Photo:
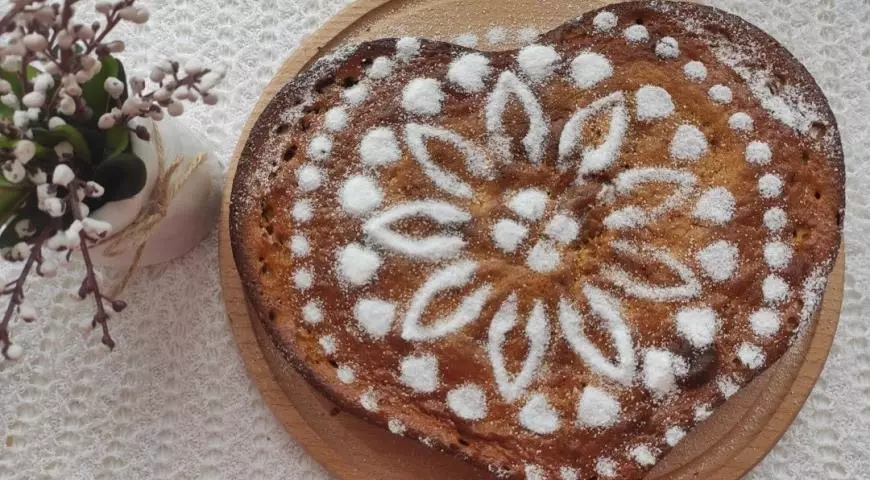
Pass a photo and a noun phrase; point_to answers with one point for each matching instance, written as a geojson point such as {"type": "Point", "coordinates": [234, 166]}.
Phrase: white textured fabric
{"type": "Point", "coordinates": [174, 400]}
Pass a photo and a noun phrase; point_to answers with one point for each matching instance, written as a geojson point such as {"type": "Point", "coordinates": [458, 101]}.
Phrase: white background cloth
{"type": "Point", "coordinates": [174, 400]}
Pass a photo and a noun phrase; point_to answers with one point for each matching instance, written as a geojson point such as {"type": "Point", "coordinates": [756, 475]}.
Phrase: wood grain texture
{"type": "Point", "coordinates": [734, 440]}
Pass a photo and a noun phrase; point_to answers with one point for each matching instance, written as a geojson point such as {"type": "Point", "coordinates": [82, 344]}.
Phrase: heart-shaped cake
{"type": "Point", "coordinates": [554, 261]}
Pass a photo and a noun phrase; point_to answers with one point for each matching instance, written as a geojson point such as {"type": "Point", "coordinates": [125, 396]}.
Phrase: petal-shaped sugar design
{"type": "Point", "coordinates": [510, 86]}
{"type": "Point", "coordinates": [452, 277]}
{"type": "Point", "coordinates": [633, 216]}
{"type": "Point", "coordinates": [595, 159]}
{"type": "Point", "coordinates": [475, 159]}
{"type": "Point", "coordinates": [609, 309]}
{"type": "Point", "coordinates": [689, 288]}
{"type": "Point", "coordinates": [431, 248]}
{"type": "Point", "coordinates": [537, 332]}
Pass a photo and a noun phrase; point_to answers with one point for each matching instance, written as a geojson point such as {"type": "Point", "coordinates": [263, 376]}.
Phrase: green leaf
{"type": "Point", "coordinates": [122, 176]}
{"type": "Point", "coordinates": [94, 93]}
{"type": "Point", "coordinates": [50, 138]}
{"type": "Point", "coordinates": [117, 141]}
{"type": "Point", "coordinates": [11, 197]}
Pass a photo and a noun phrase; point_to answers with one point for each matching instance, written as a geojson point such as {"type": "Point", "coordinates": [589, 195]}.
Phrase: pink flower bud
{"type": "Point", "coordinates": [128, 13]}
{"type": "Point", "coordinates": [137, 84]}
{"type": "Point", "coordinates": [43, 82]}
{"type": "Point", "coordinates": [38, 177]}
{"type": "Point", "coordinates": [14, 171]}
{"type": "Point", "coordinates": [55, 122]}
{"type": "Point", "coordinates": [88, 62]}
{"type": "Point", "coordinates": [20, 251]}
{"type": "Point", "coordinates": [34, 99]}
{"type": "Point", "coordinates": [24, 229]}
{"type": "Point", "coordinates": [106, 121]}
{"type": "Point", "coordinates": [85, 32]}
{"type": "Point", "coordinates": [20, 119]}
{"type": "Point", "coordinates": [192, 67]}
{"type": "Point", "coordinates": [114, 87]}
{"type": "Point", "coordinates": [5, 87]}
{"type": "Point", "coordinates": [24, 151]}
{"type": "Point", "coordinates": [67, 105]}
{"type": "Point", "coordinates": [53, 206]}
{"type": "Point", "coordinates": [62, 175]}
{"type": "Point", "coordinates": [103, 7]}
{"type": "Point", "coordinates": [116, 47]}
{"type": "Point", "coordinates": [94, 189]}
{"type": "Point", "coordinates": [45, 191]}
{"type": "Point", "coordinates": [162, 95]}
{"type": "Point", "coordinates": [84, 210]}
{"type": "Point", "coordinates": [210, 99]}
{"type": "Point", "coordinates": [156, 115]}
{"type": "Point", "coordinates": [11, 63]}
{"type": "Point", "coordinates": [10, 100]}
{"type": "Point", "coordinates": [175, 109]}
{"type": "Point", "coordinates": [65, 39]}
{"type": "Point", "coordinates": [82, 76]}
{"type": "Point", "coordinates": [26, 311]}
{"type": "Point", "coordinates": [47, 268]}
{"type": "Point", "coordinates": [14, 352]}
{"type": "Point", "coordinates": [51, 68]}
{"type": "Point", "coordinates": [35, 42]}
{"type": "Point", "coordinates": [142, 15]}
{"type": "Point", "coordinates": [73, 90]}
{"type": "Point", "coordinates": [157, 74]}
{"type": "Point", "coordinates": [96, 228]}
{"type": "Point", "coordinates": [63, 150]}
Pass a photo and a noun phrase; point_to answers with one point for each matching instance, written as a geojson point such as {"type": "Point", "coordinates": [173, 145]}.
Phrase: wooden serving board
{"type": "Point", "coordinates": [727, 446]}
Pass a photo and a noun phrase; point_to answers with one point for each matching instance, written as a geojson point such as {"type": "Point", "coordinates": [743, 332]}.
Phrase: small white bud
{"type": "Point", "coordinates": [210, 99]}
{"type": "Point", "coordinates": [14, 352]}
{"type": "Point", "coordinates": [84, 210]}
{"type": "Point", "coordinates": [106, 121]}
{"type": "Point", "coordinates": [53, 206]}
{"type": "Point", "coordinates": [35, 42]}
{"type": "Point", "coordinates": [38, 177]}
{"type": "Point", "coordinates": [51, 68]}
{"type": "Point", "coordinates": [62, 174]}
{"type": "Point", "coordinates": [162, 95]}
{"type": "Point", "coordinates": [156, 115]}
{"type": "Point", "coordinates": [183, 93]}
{"type": "Point", "coordinates": [67, 105]}
{"type": "Point", "coordinates": [72, 233]}
{"type": "Point", "coordinates": [24, 228]}
{"type": "Point", "coordinates": [82, 76]}
{"type": "Point", "coordinates": [94, 189]}
{"type": "Point", "coordinates": [45, 191]}
{"type": "Point", "coordinates": [85, 32]}
{"type": "Point", "coordinates": [48, 268]}
{"type": "Point", "coordinates": [24, 151]}
{"type": "Point", "coordinates": [175, 109]}
{"type": "Point", "coordinates": [20, 251]}
{"type": "Point", "coordinates": [33, 113]}
{"type": "Point", "coordinates": [170, 84]}
{"type": "Point", "coordinates": [114, 87]}
{"type": "Point", "coordinates": [45, 15]}
{"type": "Point", "coordinates": [116, 47]}
{"type": "Point", "coordinates": [43, 82]}
{"type": "Point", "coordinates": [11, 63]}
{"type": "Point", "coordinates": [10, 100]}
{"type": "Point", "coordinates": [116, 113]}
{"type": "Point", "coordinates": [21, 119]}
{"type": "Point", "coordinates": [73, 90]}
{"type": "Point", "coordinates": [14, 171]}
{"type": "Point", "coordinates": [137, 84]}
{"type": "Point", "coordinates": [210, 80]}
{"type": "Point", "coordinates": [103, 7]}
{"type": "Point", "coordinates": [192, 67]}
{"type": "Point", "coordinates": [26, 311]}
{"type": "Point", "coordinates": [156, 75]}
{"type": "Point", "coordinates": [62, 150]}
{"type": "Point", "coordinates": [34, 99]}
{"type": "Point", "coordinates": [55, 122]}
{"type": "Point", "coordinates": [5, 87]}
{"type": "Point", "coordinates": [130, 107]}
{"type": "Point", "coordinates": [57, 242]}
{"type": "Point", "coordinates": [128, 13]}
{"type": "Point", "coordinates": [65, 39]}
{"type": "Point", "coordinates": [96, 228]}
{"type": "Point", "coordinates": [142, 15]}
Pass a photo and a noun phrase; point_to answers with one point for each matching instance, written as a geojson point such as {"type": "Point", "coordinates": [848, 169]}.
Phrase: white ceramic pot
{"type": "Point", "coordinates": [192, 212]}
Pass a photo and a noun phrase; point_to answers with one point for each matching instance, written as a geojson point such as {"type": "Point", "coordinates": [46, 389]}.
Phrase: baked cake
{"type": "Point", "coordinates": [554, 261]}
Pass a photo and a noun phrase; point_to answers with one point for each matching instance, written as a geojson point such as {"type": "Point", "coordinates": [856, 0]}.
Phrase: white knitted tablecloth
{"type": "Point", "coordinates": [174, 400]}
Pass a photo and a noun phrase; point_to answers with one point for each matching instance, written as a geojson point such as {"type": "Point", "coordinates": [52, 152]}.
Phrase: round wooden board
{"type": "Point", "coordinates": [727, 446]}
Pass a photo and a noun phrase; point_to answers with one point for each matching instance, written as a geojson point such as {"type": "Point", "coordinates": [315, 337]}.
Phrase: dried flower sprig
{"type": "Point", "coordinates": [66, 117]}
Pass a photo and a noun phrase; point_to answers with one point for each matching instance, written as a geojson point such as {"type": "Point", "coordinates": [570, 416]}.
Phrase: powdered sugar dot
{"type": "Point", "coordinates": [775, 219]}
{"type": "Point", "coordinates": [751, 355]}
{"type": "Point", "coordinates": [467, 40]}
{"type": "Point", "coordinates": [644, 455]}
{"type": "Point", "coordinates": [527, 35]}
{"type": "Point", "coordinates": [695, 70]}
{"type": "Point", "coordinates": [328, 344]}
{"type": "Point", "coordinates": [775, 289]}
{"type": "Point", "coordinates": [357, 265]}
{"type": "Point", "coordinates": [529, 203]}
{"type": "Point", "coordinates": [299, 245]}
{"type": "Point", "coordinates": [764, 322]}
{"type": "Point", "coordinates": [589, 69]}
{"type": "Point", "coordinates": [303, 278]}
{"type": "Point", "coordinates": [769, 186]}
{"type": "Point", "coordinates": [360, 195]}
{"type": "Point", "coordinates": [420, 373]}
{"type": "Point", "coordinates": [604, 21]}
{"type": "Point", "coordinates": [720, 94]}
{"type": "Point", "coordinates": [543, 257]}
{"type": "Point", "coordinates": [469, 71]}
{"type": "Point", "coordinates": [562, 228]}
{"type": "Point", "coordinates": [698, 326]}
{"type": "Point", "coordinates": [381, 68]}
{"type": "Point", "coordinates": [539, 416]}
{"type": "Point", "coordinates": [597, 408]}
{"type": "Point", "coordinates": [636, 34]}
{"type": "Point", "coordinates": [653, 102]}
{"type": "Point", "coordinates": [758, 153]}
{"type": "Point", "coordinates": [422, 96]}
{"type": "Point", "coordinates": [335, 120]}
{"type": "Point", "coordinates": [703, 412]}
{"type": "Point", "coordinates": [660, 371]}
{"type": "Point", "coordinates": [356, 95]}
{"type": "Point", "coordinates": [537, 62]}
{"type": "Point", "coordinates": [667, 47]}
{"type": "Point", "coordinates": [496, 35]}
{"type": "Point", "coordinates": [568, 473]}
{"type": "Point", "coordinates": [716, 205]}
{"type": "Point", "coordinates": [605, 467]}
{"type": "Point", "coordinates": [777, 254]}
{"type": "Point", "coordinates": [534, 472]}
{"type": "Point", "coordinates": [740, 122]}
{"type": "Point", "coordinates": [407, 48]}
{"type": "Point", "coordinates": [688, 144]}
{"type": "Point", "coordinates": [673, 435]}
{"type": "Point", "coordinates": [508, 234]}
{"type": "Point", "coordinates": [312, 314]}
{"type": "Point", "coordinates": [718, 260]}
{"type": "Point", "coordinates": [396, 427]}
{"type": "Point", "coordinates": [319, 148]}
{"type": "Point", "coordinates": [369, 400]}
{"type": "Point", "coordinates": [345, 374]}
{"type": "Point", "coordinates": [309, 177]}
{"type": "Point", "coordinates": [468, 402]}
{"type": "Point", "coordinates": [303, 211]}
{"type": "Point", "coordinates": [374, 316]}
{"type": "Point", "coordinates": [379, 147]}
{"type": "Point", "coordinates": [727, 386]}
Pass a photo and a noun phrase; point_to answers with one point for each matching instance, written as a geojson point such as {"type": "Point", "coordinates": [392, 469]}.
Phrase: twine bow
{"type": "Point", "coordinates": [166, 187]}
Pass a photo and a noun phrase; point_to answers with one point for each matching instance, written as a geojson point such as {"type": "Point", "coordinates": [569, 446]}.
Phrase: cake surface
{"type": "Point", "coordinates": [554, 261]}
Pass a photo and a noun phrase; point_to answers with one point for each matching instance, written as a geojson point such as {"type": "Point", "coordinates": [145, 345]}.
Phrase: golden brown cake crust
{"type": "Point", "coordinates": [549, 268]}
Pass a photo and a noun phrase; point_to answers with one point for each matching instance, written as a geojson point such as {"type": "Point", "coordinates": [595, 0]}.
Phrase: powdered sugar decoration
{"type": "Point", "coordinates": [740, 122]}
{"type": "Point", "coordinates": [319, 148]}
{"type": "Point", "coordinates": [529, 203]}
{"type": "Point", "coordinates": [467, 40]}
{"type": "Point", "coordinates": [335, 119]}
{"type": "Point", "coordinates": [303, 278]}
{"type": "Point", "coordinates": [597, 408]}
{"type": "Point", "coordinates": [769, 186]}
{"type": "Point", "coordinates": [687, 289]}
{"type": "Point", "coordinates": [345, 374]}
{"type": "Point", "coordinates": [595, 158]}
{"type": "Point", "coordinates": [695, 70]}
{"type": "Point", "coordinates": [309, 177]}
{"type": "Point", "coordinates": [653, 102]}
{"type": "Point", "coordinates": [357, 265]}
{"type": "Point", "coordinates": [374, 316]}
{"type": "Point", "coordinates": [407, 48]}
{"type": "Point", "coordinates": [633, 216]}
{"type": "Point", "coordinates": [468, 402]}
{"type": "Point", "coordinates": [359, 195]}
{"type": "Point", "coordinates": [510, 86]}
{"type": "Point", "coordinates": [423, 96]}
{"type": "Point", "coordinates": [673, 436]}
{"type": "Point", "coordinates": [661, 369]}
{"type": "Point", "coordinates": [299, 245]}
{"type": "Point", "coordinates": [758, 153]}
{"type": "Point", "coordinates": [764, 322]}
{"type": "Point", "coordinates": [356, 95]}
{"type": "Point", "coordinates": [381, 68]}
{"type": "Point", "coordinates": [432, 248]}
{"type": "Point", "coordinates": [379, 147]}
{"type": "Point", "coordinates": [537, 331]}
{"type": "Point", "coordinates": [312, 314]}
{"type": "Point", "coordinates": [644, 455]}
{"type": "Point", "coordinates": [589, 69]}
{"type": "Point", "coordinates": [751, 355]}
{"type": "Point", "coordinates": [667, 48]}
{"type": "Point", "coordinates": [508, 235]}
{"type": "Point", "coordinates": [775, 289]}
{"type": "Point", "coordinates": [475, 160]}
{"type": "Point", "coordinates": [716, 206]}
{"type": "Point", "coordinates": [688, 144]}
{"type": "Point", "coordinates": [420, 373]}
{"type": "Point", "coordinates": [636, 34]}
{"type": "Point", "coordinates": [605, 467]}
{"type": "Point", "coordinates": [775, 219]}
{"type": "Point", "coordinates": [539, 416]}
{"type": "Point", "coordinates": [303, 211]}
{"type": "Point", "coordinates": [720, 94]}
{"type": "Point", "coordinates": [537, 62]}
{"type": "Point", "coordinates": [604, 21]}
{"type": "Point", "coordinates": [698, 326]}
{"type": "Point", "coordinates": [718, 260]}
{"type": "Point", "coordinates": [777, 254]}
{"type": "Point", "coordinates": [727, 386]}
{"type": "Point", "coordinates": [469, 71]}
